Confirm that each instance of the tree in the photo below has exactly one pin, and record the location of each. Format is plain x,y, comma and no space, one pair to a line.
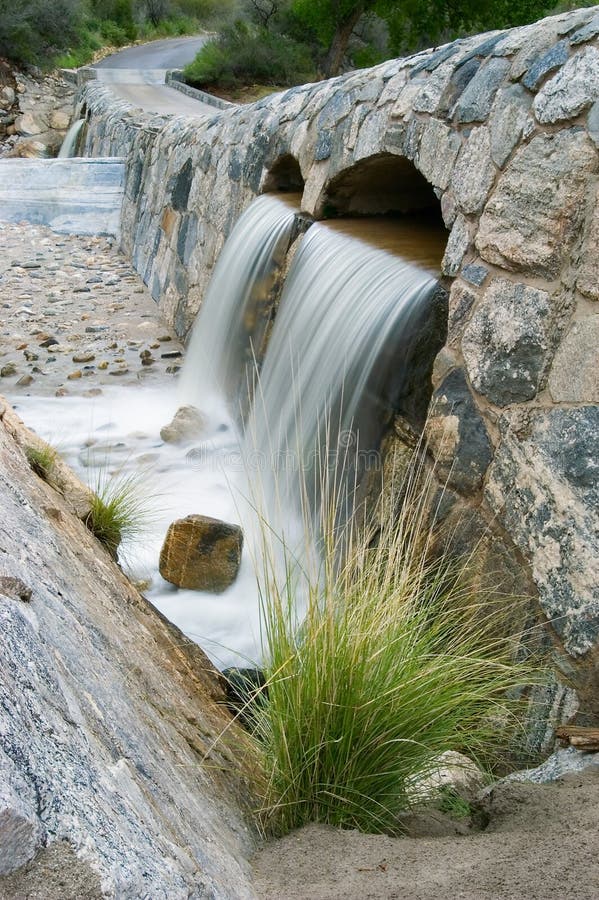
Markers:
156,10
411,23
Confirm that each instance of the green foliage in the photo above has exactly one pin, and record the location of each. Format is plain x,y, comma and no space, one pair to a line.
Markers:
397,660
454,805
31,28
41,458
245,53
119,508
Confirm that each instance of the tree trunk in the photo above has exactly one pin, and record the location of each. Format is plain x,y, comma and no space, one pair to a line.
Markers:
338,48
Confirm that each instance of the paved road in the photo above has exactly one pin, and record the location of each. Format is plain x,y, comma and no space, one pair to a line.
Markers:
137,75
173,53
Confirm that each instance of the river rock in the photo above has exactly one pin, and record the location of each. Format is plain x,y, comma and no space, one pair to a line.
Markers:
201,553
187,423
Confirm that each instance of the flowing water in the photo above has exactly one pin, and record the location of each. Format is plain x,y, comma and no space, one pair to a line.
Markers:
355,298
69,146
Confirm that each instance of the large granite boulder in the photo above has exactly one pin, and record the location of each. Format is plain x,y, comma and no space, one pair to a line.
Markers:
113,780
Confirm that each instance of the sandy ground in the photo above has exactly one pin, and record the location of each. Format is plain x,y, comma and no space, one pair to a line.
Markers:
541,843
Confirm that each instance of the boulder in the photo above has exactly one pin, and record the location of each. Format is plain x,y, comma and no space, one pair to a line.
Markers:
187,423
451,771
201,553
29,150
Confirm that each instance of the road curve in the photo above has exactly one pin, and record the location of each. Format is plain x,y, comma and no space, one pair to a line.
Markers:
173,53
137,75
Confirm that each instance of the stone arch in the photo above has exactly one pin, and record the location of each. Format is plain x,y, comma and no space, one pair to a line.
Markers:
389,186
284,175
382,184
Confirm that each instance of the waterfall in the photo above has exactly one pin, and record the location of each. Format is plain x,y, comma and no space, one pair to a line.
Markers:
69,145
340,350
235,315
339,355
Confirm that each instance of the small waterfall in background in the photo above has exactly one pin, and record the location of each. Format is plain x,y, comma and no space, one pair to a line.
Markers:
235,315
69,145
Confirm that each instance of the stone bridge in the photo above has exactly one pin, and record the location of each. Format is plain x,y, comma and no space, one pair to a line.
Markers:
498,134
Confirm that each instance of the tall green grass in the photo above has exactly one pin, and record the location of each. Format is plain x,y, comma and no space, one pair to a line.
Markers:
396,660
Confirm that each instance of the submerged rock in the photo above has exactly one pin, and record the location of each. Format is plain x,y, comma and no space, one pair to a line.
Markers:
202,554
187,423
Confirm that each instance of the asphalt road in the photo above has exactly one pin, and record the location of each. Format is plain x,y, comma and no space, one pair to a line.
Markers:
173,53
137,75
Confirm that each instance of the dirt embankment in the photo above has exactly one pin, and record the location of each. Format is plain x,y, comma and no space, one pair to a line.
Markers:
541,843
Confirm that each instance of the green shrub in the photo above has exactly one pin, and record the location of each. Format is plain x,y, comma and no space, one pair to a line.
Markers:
397,660
245,54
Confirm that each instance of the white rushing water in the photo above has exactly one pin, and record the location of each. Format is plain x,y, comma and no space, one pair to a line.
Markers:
348,314
229,324
69,145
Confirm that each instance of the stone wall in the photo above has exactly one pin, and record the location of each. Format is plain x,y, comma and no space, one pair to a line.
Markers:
505,128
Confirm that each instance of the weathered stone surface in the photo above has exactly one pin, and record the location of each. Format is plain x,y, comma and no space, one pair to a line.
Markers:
454,771
572,90
474,172
457,434
187,423
586,33
507,121
533,214
563,762
475,274
438,149
593,123
475,103
537,43
22,832
201,553
14,588
587,272
461,301
107,712
457,245
548,62
543,485
507,342
574,377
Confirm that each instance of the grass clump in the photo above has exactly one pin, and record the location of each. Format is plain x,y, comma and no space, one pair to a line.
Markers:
41,458
119,509
396,660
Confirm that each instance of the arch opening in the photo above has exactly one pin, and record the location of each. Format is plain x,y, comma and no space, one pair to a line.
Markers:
285,176
381,185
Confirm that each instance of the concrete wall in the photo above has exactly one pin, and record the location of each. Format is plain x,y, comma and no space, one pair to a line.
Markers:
505,128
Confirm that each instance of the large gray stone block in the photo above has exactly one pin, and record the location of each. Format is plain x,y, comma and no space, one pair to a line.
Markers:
535,211
543,485
507,342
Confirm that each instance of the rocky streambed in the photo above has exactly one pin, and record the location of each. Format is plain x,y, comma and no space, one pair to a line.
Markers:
88,364
35,111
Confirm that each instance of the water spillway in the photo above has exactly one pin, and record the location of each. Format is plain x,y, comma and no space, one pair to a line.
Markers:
68,148
356,298
231,328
